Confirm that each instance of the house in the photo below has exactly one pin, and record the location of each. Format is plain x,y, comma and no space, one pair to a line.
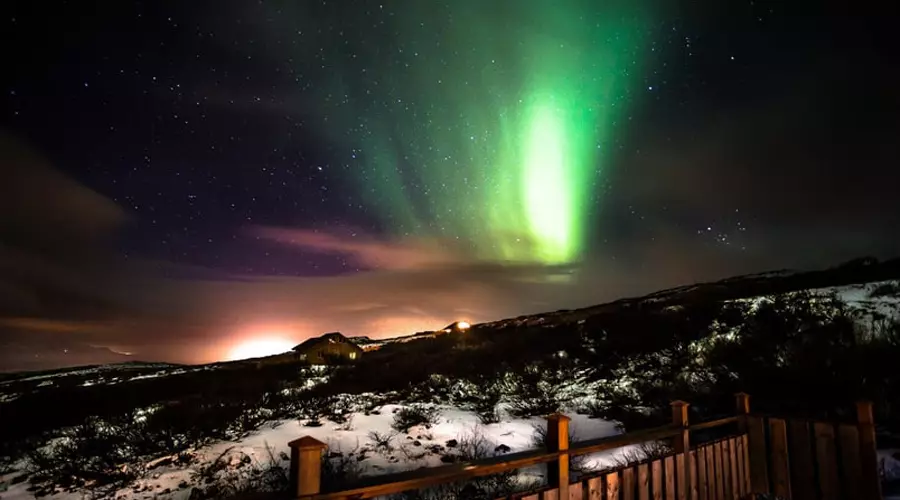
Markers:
331,348
457,326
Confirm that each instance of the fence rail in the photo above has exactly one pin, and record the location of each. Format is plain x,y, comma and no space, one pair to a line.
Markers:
793,459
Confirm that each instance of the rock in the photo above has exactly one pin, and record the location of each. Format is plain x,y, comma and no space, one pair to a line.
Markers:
436,448
452,443
183,484
448,459
502,448
417,443
196,494
335,454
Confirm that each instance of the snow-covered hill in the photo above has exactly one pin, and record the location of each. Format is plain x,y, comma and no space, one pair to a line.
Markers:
163,430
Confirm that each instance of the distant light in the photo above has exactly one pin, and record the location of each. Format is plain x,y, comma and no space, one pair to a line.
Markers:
258,348
463,325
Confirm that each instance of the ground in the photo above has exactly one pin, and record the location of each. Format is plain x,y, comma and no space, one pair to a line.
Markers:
419,447
258,411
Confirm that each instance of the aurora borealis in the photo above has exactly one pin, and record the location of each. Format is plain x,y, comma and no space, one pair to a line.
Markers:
177,178
490,126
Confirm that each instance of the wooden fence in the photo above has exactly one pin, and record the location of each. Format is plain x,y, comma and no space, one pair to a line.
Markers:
734,457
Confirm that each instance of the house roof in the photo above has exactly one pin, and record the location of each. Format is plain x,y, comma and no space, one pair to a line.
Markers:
453,326
333,337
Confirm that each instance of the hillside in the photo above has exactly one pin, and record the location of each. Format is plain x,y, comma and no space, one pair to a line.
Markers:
840,278
802,343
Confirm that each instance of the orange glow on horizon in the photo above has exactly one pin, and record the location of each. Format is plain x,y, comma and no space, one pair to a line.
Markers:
260,347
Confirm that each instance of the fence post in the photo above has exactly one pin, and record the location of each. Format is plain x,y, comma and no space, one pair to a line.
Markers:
558,440
306,465
683,445
867,454
756,445
742,401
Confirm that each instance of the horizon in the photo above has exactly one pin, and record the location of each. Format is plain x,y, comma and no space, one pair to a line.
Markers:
187,183
398,335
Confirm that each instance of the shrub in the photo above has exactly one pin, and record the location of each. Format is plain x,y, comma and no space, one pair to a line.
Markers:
539,440
233,473
382,443
886,290
340,470
533,392
411,416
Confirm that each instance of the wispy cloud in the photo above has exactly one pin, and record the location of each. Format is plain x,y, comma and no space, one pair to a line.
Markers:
368,251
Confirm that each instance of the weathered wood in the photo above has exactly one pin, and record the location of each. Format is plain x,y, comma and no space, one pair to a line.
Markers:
825,460
702,482
578,490
558,440
612,486
867,451
306,465
711,471
714,423
656,470
759,475
682,447
627,483
611,442
781,474
739,466
695,495
851,483
803,479
733,472
594,489
670,478
535,496
679,475
550,494
727,475
745,445
720,471
742,408
425,477
643,481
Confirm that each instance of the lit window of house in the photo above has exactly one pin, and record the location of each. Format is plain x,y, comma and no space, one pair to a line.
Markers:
352,355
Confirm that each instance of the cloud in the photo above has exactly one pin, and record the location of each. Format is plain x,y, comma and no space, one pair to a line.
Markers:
368,251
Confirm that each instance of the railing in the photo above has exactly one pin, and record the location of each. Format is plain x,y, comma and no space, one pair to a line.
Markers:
790,458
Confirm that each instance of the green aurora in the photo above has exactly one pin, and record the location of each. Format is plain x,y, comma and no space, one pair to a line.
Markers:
491,126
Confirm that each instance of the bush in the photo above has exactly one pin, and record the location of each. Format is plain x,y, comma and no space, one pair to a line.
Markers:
233,473
539,440
411,416
886,290
382,443
534,392
340,470
471,446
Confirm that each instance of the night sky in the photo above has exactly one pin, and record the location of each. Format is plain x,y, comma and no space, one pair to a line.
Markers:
177,178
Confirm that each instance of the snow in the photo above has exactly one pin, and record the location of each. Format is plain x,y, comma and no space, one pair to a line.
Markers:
411,450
